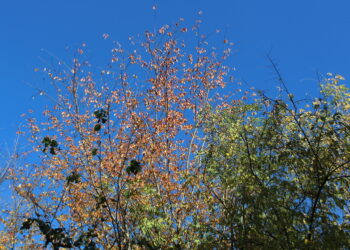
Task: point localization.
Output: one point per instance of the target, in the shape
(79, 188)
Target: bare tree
(8, 158)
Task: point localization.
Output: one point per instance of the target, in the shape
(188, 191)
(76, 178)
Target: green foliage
(97, 127)
(278, 175)
(94, 151)
(74, 177)
(101, 115)
(46, 141)
(101, 201)
(58, 238)
(134, 167)
(55, 236)
(50, 144)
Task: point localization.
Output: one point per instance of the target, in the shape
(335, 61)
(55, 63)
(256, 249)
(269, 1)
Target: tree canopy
(151, 153)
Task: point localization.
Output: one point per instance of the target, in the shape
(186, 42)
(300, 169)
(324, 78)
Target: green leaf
(97, 127)
(46, 141)
(101, 115)
(53, 143)
(52, 151)
(94, 151)
(134, 167)
(27, 224)
(74, 177)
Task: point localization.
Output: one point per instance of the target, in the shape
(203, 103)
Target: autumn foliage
(149, 153)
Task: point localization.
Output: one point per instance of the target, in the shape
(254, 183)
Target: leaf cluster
(50, 144)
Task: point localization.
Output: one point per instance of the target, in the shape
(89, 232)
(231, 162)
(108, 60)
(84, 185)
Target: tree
(146, 154)
(10, 210)
(113, 163)
(278, 175)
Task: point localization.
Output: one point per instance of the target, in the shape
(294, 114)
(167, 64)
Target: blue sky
(303, 36)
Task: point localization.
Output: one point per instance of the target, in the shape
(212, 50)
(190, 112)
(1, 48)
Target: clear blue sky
(305, 36)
